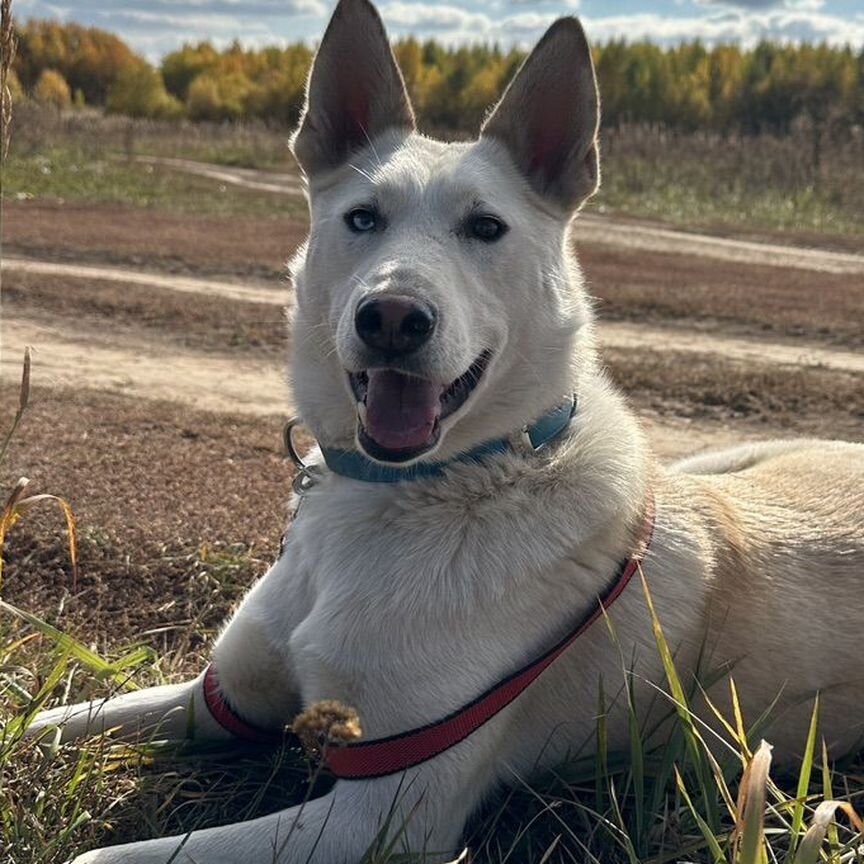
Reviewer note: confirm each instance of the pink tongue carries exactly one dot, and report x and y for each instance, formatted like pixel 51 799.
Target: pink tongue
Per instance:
pixel 401 410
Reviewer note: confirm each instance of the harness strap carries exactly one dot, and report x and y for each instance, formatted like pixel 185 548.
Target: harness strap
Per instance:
pixel 366 760
pixel 378 758
pixel 228 718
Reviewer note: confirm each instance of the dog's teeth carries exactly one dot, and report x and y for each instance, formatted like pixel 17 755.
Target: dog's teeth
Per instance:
pixel 361 413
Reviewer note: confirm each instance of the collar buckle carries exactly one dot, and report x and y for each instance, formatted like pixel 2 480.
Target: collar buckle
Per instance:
pixel 307 475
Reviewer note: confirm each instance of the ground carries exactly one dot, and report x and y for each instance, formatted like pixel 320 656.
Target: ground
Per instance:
pixel 159 394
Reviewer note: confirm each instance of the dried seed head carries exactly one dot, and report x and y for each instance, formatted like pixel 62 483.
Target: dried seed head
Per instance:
pixel 327 722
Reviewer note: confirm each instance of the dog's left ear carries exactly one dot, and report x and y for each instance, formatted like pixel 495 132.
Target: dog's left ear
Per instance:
pixel 549 115
pixel 355 90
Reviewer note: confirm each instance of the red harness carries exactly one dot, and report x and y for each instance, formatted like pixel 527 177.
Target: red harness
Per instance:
pixel 382 756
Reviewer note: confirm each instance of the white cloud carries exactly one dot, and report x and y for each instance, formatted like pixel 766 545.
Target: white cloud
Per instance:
pixel 744 27
pixel 433 17
pixel 155 27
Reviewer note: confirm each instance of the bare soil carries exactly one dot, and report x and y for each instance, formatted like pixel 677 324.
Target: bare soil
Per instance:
pixel 630 283
pixel 155 239
pixel 165 497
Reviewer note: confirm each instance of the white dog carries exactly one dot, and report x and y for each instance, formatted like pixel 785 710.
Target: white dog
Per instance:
pixel 481 488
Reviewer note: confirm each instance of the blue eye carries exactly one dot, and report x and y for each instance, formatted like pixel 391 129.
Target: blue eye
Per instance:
pixel 486 228
pixel 361 219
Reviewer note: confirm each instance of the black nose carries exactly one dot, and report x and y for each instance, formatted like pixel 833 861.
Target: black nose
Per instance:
pixel 396 325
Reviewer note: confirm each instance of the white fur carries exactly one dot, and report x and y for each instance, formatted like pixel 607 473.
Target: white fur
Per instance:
pixel 407 600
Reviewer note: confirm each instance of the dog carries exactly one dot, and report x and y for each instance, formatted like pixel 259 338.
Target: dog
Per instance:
pixel 481 494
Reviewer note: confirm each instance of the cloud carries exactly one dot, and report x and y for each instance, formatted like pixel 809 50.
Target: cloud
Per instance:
pixel 746 28
pixel 206 8
pixel 568 4
pixel 433 17
pixel 155 27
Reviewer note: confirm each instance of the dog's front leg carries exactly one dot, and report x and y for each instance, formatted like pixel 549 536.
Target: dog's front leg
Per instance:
pixel 174 711
pixel 411 812
pixel 253 665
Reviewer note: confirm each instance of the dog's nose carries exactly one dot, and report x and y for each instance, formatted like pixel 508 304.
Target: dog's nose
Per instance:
pixel 397 325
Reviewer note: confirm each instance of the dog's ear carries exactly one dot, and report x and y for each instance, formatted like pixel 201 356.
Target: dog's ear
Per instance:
pixel 355 90
pixel 549 115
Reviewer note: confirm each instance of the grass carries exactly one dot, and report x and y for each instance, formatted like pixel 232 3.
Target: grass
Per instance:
pixel 732 182
pixel 74 173
pixel 686 798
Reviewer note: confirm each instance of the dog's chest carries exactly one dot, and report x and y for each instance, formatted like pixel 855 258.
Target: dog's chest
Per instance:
pixel 427 598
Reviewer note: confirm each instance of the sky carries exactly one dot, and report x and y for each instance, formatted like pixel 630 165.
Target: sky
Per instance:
pixel 155 27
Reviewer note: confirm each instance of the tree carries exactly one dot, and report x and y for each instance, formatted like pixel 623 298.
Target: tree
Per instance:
pixel 218 97
pixel 52 89
pixel 138 91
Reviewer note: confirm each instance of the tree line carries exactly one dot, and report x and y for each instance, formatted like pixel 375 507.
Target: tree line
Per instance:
pixel 689 86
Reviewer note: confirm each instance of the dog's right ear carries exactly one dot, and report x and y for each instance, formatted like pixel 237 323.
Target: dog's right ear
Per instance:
pixel 549 115
pixel 355 90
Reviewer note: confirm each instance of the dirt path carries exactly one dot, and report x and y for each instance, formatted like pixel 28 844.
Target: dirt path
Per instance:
pixel 248 178
pixel 785 353
pixel 613 334
pixel 110 360
pixel 114 363
pixel 70 353
pixel 589 228
pixel 211 288
pixel 606 231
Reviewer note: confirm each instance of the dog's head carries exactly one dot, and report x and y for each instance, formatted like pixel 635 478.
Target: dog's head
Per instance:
pixel 437 305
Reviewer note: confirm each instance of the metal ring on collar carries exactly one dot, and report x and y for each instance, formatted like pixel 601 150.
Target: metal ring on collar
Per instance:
pixel 288 441
pixel 305 477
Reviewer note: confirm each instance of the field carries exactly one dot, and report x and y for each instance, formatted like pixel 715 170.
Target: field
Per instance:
pixel 147 271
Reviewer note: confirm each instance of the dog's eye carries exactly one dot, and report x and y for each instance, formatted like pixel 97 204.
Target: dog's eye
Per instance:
pixel 487 228
pixel 361 219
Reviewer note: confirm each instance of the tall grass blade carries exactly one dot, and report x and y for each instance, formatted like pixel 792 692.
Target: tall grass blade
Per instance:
pixel 96 664
pixel 23 402
pixel 695 745
pixel 804 780
pixel 750 830
pixel 601 771
pixel 828 794
pixel 711 841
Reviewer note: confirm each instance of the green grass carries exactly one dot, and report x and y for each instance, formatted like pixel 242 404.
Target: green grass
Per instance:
pixel 76 174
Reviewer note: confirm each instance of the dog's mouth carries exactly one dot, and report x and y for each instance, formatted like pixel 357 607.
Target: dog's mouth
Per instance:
pixel 400 415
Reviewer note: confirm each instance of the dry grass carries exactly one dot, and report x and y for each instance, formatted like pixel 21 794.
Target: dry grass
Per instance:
pixel 708 179
pixel 693 180
pixel 250 144
pixel 8 47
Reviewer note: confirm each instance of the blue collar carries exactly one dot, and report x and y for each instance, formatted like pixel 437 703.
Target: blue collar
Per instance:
pixel 352 464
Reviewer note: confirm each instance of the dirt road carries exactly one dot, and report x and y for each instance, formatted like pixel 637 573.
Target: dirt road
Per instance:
pixel 589 228
pixel 612 334
pixel 77 354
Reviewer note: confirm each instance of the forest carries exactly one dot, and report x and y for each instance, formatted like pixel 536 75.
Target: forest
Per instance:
pixel 723 88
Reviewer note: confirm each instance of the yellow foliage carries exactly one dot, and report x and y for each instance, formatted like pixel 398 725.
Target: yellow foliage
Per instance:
pixel 138 91
pixel 685 86
pixel 52 89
